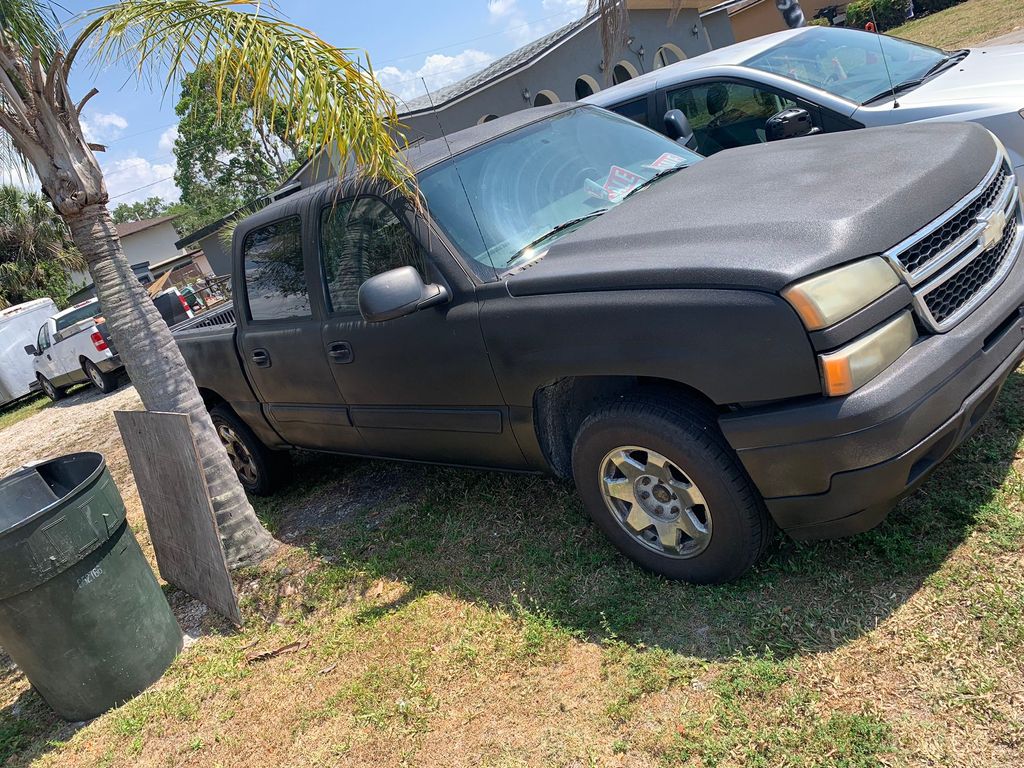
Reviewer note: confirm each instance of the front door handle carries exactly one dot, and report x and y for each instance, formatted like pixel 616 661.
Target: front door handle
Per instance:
pixel 340 352
pixel 261 358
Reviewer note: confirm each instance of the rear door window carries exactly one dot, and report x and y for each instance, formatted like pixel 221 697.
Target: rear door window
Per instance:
pixel 275 278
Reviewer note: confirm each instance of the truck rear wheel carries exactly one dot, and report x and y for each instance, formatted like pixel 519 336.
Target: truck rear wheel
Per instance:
pixel 53 392
pixel 656 474
pixel 104 382
pixel 258 468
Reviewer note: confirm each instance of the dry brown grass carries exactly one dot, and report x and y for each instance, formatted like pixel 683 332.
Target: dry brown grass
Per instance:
pixel 968 24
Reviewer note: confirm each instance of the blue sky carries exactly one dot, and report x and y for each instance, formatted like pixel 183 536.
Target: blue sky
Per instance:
pixel 439 40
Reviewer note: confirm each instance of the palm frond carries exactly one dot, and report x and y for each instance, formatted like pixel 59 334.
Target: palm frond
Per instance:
pixel 343 108
pixel 29 23
pixel 615 26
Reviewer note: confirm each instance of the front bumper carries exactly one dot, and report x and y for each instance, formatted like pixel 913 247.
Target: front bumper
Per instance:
pixel 835 466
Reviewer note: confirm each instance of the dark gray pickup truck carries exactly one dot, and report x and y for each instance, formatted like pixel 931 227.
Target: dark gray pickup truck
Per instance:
pixel 796 332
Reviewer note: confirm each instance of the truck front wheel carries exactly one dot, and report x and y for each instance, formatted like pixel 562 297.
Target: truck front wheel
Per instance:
pixel 656 474
pixel 258 467
pixel 53 392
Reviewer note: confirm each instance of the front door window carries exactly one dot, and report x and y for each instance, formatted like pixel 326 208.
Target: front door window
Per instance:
pixel 727 115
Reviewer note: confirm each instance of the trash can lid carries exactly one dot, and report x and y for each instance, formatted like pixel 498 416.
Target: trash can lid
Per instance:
pixel 53 514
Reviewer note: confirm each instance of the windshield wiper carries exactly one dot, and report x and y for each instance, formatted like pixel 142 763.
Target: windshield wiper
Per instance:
pixel 942 64
pixel 659 175
pixel 554 231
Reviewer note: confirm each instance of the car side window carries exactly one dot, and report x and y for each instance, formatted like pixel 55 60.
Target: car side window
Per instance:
pixel 727 115
pixel 634 110
pixel 361 238
pixel 275 281
pixel 42 339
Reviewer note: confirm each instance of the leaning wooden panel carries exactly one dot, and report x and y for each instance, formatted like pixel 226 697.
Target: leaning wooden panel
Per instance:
pixel 178 511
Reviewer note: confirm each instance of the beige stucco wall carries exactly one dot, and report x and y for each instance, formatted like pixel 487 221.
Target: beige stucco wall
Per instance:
pixel 764 17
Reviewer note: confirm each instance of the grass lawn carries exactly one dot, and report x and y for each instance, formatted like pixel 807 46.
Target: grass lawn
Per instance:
pixel 970 23
pixel 22 409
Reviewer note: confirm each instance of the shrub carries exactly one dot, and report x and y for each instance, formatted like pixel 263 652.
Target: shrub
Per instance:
pixel 819 23
pixel 887 13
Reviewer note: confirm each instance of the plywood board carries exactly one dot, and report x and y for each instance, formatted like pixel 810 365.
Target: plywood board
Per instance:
pixel 177 505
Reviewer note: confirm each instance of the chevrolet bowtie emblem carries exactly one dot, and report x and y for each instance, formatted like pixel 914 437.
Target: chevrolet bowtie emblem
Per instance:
pixel 995 225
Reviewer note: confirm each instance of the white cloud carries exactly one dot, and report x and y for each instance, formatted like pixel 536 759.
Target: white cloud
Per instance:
pixel 166 142
pixel 133 178
pixel 101 127
pixel 438 70
pixel 502 8
pixel 521 31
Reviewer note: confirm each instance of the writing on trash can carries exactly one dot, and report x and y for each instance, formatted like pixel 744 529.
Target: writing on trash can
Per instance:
pixel 90 577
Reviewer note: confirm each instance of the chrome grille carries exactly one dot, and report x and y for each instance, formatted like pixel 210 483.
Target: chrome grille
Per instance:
pixel 955 262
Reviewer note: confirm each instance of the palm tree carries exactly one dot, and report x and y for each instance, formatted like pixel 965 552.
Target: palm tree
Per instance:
pixel 36 253
pixel 343 109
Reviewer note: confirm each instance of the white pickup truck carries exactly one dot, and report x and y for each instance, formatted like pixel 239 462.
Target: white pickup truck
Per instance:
pixel 73 347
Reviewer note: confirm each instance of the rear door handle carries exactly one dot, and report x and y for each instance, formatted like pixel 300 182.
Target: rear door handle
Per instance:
pixel 261 358
pixel 340 352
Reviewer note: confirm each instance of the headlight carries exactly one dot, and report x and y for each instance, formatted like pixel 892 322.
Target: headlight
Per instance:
pixel 834 295
pixel 861 360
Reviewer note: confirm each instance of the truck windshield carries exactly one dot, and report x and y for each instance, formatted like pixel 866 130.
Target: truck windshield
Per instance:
pixel 76 315
pixel 854 65
pixel 503 202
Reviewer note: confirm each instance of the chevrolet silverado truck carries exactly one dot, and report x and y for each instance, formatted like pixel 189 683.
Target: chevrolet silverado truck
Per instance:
pixel 794 333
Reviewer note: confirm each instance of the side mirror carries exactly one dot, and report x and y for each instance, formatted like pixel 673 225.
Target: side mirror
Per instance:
pixel 30 349
pixel 396 293
pixel 677 128
pixel 789 124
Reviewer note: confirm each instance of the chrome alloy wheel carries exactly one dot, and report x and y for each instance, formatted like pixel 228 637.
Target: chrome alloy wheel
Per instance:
pixel 241 459
pixel 95 375
pixel 48 388
pixel 655 502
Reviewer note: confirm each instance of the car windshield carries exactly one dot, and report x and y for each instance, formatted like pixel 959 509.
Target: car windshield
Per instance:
pixel 85 312
pixel 855 65
pixel 503 202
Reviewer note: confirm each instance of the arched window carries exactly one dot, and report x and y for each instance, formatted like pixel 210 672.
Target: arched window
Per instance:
pixel 544 98
pixel 669 53
pixel 623 71
pixel 486 119
pixel 586 86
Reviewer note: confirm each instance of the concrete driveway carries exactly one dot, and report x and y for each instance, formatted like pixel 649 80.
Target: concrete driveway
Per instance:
pixel 1017 36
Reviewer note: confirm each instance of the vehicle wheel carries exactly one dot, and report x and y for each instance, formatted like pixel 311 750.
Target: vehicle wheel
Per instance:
pixel 258 467
pixel 658 477
pixel 52 392
pixel 104 382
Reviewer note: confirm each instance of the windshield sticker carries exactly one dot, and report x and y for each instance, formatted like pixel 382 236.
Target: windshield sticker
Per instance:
pixel 667 160
pixel 620 182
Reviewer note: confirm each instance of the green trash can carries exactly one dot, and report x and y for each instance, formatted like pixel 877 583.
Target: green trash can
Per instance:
pixel 81 612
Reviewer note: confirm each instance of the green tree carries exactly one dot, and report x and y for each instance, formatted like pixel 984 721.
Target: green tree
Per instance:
pixel 343 109
pixel 150 208
pixel 36 252
pixel 226 155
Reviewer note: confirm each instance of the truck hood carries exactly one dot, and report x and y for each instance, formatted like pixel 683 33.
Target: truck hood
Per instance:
pixel 760 217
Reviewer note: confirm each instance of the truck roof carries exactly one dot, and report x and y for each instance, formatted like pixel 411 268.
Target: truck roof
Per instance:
pixel 69 310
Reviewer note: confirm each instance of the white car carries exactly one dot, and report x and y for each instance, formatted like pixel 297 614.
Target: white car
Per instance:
pixel 72 347
pixel 843 78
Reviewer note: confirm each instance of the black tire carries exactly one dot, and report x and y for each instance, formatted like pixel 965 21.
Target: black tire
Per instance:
pixel 104 382
pixel 52 392
pixel 686 433
pixel 267 466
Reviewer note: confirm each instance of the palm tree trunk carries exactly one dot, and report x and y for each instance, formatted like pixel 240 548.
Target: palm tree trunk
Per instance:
pixel 163 381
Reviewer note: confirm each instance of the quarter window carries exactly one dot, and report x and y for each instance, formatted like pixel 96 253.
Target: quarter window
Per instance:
pixel 359 239
pixel 43 339
pixel 275 281
pixel 727 115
